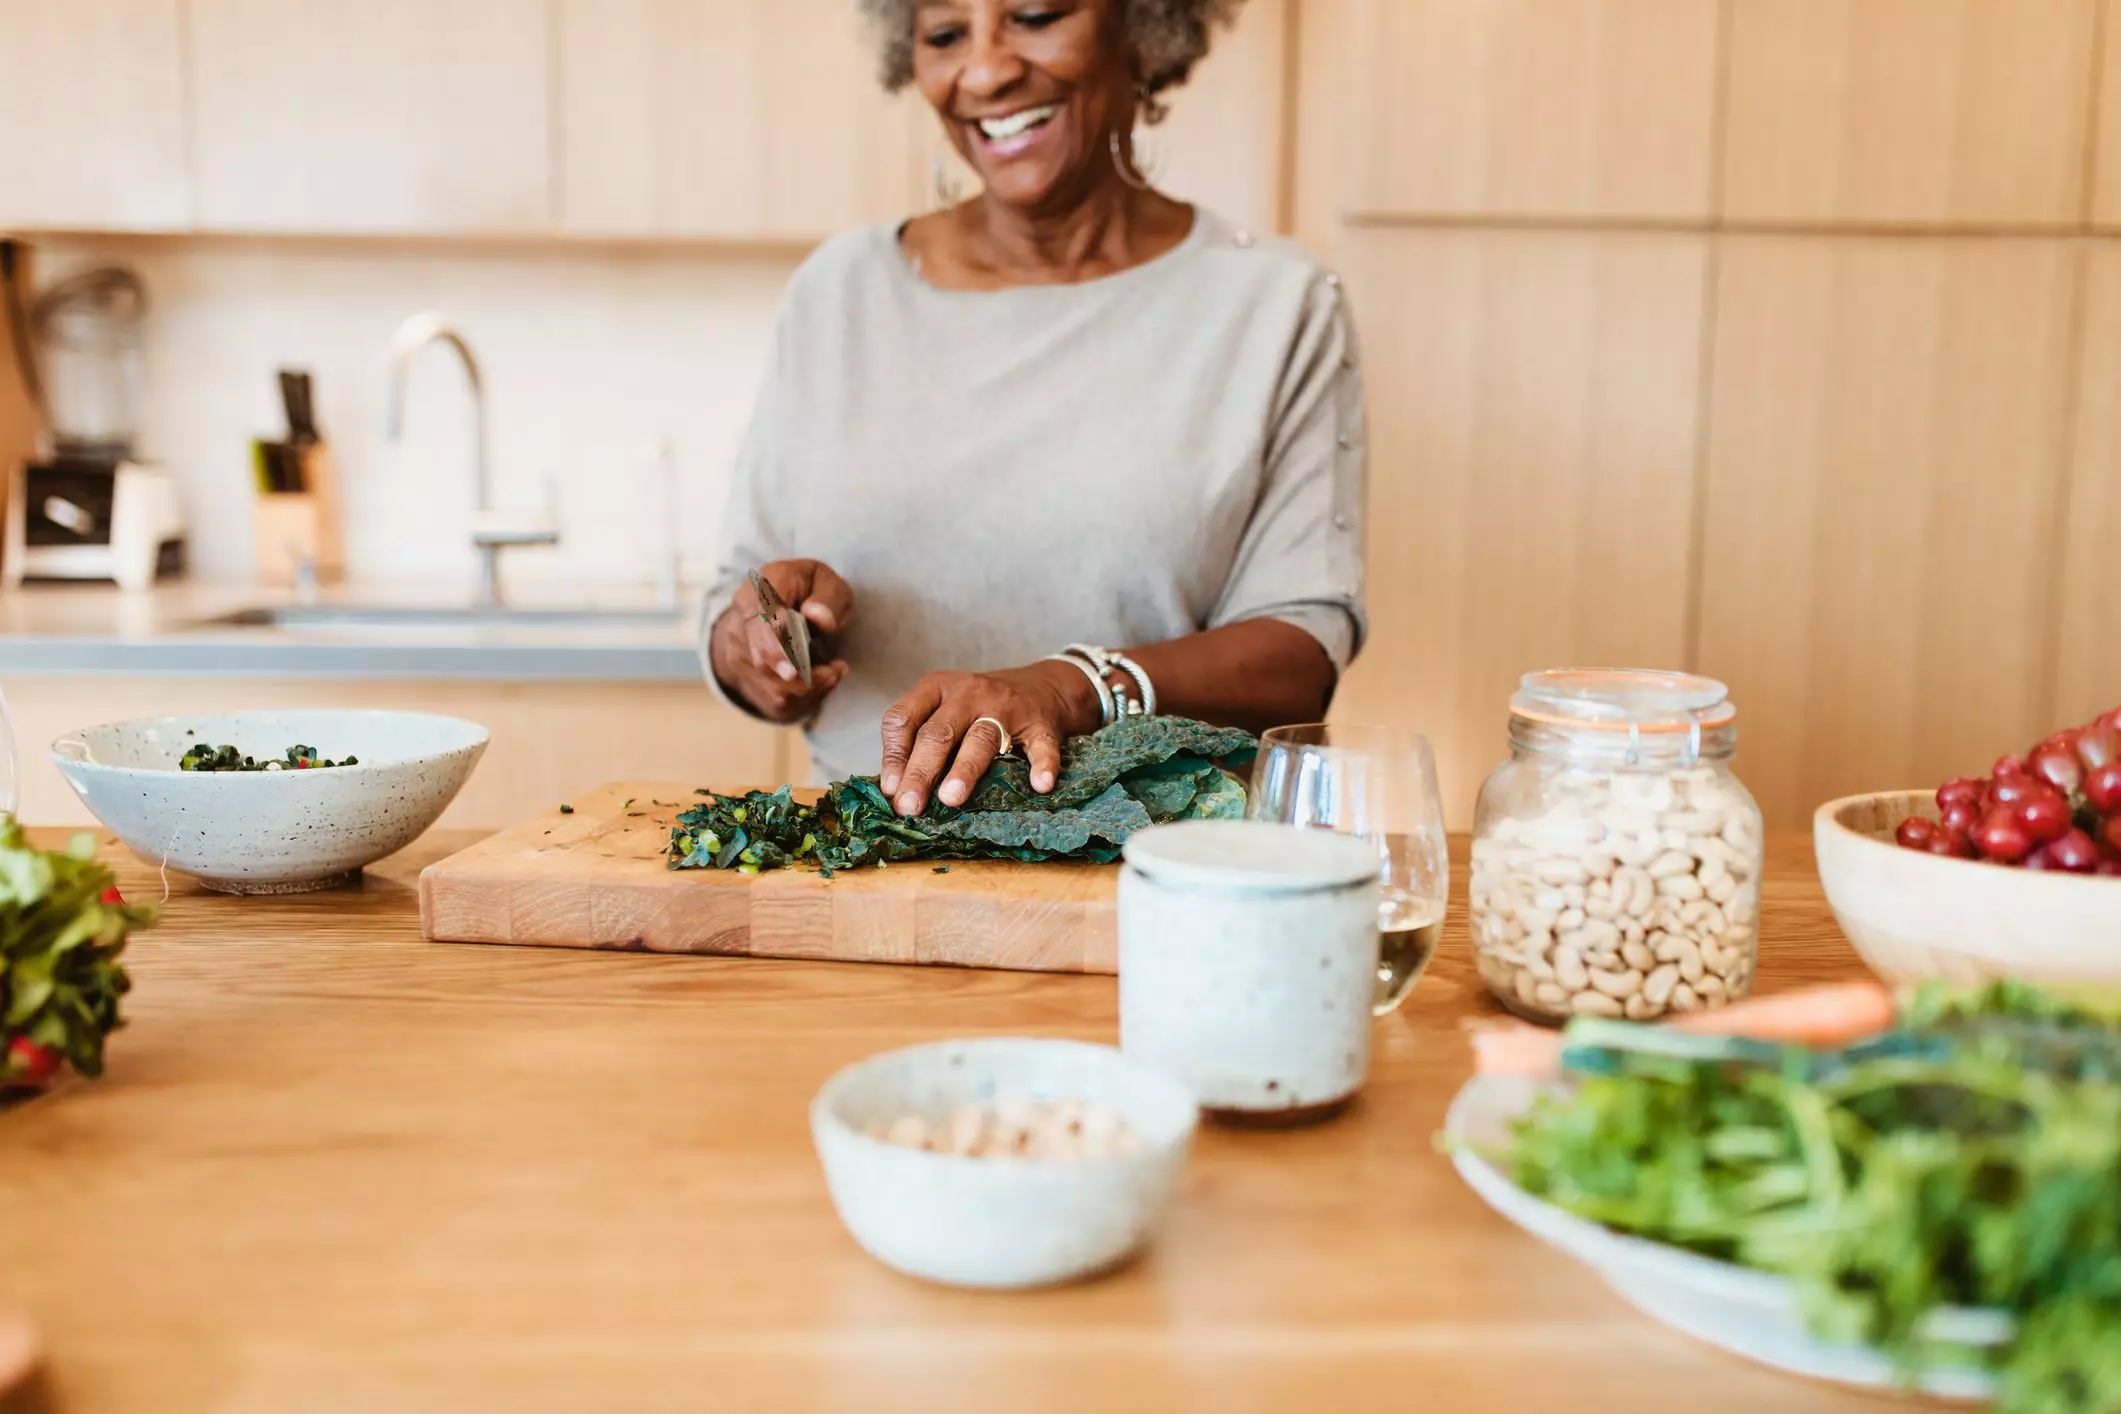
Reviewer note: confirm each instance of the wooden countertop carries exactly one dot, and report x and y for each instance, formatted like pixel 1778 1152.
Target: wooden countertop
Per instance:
pixel 335 1168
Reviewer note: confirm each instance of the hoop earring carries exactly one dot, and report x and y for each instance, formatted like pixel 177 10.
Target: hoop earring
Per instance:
pixel 1132 170
pixel 947 190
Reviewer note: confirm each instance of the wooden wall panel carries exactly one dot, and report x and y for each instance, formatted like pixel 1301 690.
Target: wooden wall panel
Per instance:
pixel 1531 107
pixel 383 117
pixel 724 118
pixel 2106 175
pixel 2088 585
pixel 1533 404
pixel 1321 120
pixel 1885 459
pixel 1908 111
pixel 92 106
pixel 1223 144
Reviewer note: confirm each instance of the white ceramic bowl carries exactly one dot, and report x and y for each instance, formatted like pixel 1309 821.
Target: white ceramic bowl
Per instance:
pixel 999 1222
pixel 271 832
pixel 1915 915
pixel 1749 1313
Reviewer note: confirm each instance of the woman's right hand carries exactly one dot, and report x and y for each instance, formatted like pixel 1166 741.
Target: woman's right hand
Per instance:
pixel 747 658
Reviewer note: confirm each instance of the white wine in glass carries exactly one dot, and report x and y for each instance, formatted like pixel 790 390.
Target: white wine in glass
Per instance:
pixel 1378 783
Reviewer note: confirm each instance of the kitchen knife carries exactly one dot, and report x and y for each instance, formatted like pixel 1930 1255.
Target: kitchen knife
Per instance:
pixel 790 627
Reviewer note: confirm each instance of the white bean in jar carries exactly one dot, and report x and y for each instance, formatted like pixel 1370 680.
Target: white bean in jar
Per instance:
pixel 1616 889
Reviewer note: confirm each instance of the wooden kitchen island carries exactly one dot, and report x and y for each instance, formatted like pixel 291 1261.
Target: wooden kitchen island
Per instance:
pixel 335 1168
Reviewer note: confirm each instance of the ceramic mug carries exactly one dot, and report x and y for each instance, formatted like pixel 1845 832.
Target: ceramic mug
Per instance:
pixel 1248 962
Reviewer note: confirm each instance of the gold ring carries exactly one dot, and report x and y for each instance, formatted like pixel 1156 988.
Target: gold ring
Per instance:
pixel 1008 742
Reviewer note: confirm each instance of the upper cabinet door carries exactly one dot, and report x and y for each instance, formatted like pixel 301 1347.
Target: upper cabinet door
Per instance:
pixel 382 116
pixel 92 105
pixel 725 119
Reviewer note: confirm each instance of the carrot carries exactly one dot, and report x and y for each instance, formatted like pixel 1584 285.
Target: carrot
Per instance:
pixel 1832 1015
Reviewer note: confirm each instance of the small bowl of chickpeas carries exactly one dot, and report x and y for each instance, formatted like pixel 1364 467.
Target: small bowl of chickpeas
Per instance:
pixel 1002 1163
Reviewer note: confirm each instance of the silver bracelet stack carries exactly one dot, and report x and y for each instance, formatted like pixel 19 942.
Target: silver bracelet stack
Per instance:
pixel 1123 687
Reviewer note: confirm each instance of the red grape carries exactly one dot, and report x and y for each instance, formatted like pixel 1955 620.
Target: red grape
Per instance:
pixel 2009 790
pixel 1915 833
pixel 1999 836
pixel 2108 869
pixel 2057 765
pixel 1951 844
pixel 2007 766
pixel 2103 788
pixel 1966 788
pixel 2075 852
pixel 2099 745
pixel 2111 719
pixel 1960 816
pixel 2045 817
pixel 2110 833
pixel 2040 859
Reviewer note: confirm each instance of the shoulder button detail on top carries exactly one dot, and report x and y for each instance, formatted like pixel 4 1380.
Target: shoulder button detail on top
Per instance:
pixel 1345 441
pixel 1333 281
pixel 1243 239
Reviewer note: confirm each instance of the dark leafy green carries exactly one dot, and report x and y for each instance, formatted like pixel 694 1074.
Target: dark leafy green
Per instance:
pixel 1969 1157
pixel 226 758
pixel 1133 774
pixel 62 928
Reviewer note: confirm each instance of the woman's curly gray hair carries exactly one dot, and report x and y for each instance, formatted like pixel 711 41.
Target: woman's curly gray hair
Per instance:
pixel 1166 37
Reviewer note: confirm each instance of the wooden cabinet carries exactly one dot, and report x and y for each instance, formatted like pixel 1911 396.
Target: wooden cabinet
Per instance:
pixel 1534 405
pixel 386 116
pixel 725 119
pixel 92 113
pixel 2088 590
pixel 1898 111
pixel 2106 139
pixel 1886 464
pixel 1526 107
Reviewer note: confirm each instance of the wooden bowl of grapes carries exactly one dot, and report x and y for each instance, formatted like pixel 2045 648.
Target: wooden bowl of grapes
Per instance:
pixel 1913 913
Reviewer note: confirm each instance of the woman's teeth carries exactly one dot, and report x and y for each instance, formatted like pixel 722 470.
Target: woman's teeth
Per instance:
pixel 1017 123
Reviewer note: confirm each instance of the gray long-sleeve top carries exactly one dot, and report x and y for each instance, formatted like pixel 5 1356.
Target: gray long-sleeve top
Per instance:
pixel 997 474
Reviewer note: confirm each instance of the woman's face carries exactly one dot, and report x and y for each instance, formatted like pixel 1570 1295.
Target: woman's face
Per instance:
pixel 1030 91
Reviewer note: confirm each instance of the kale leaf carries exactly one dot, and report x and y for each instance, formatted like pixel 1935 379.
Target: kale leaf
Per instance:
pixel 1133 774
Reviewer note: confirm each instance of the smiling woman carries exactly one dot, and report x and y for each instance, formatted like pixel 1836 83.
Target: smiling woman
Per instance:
pixel 1067 450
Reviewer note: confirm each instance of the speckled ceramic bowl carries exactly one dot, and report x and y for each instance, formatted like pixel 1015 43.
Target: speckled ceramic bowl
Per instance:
pixel 999 1222
pixel 271 832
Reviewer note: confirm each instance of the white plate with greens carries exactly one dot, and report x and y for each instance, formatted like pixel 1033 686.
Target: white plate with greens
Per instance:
pixel 1753 1314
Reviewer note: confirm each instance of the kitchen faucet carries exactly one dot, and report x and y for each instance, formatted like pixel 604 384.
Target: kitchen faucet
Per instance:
pixel 488 537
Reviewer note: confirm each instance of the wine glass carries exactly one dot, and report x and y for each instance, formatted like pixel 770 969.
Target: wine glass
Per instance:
pixel 1377 783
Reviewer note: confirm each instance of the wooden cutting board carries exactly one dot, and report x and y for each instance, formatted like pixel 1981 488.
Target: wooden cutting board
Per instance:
pixel 596 878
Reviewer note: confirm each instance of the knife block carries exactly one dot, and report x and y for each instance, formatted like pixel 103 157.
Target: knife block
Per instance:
pixel 292 526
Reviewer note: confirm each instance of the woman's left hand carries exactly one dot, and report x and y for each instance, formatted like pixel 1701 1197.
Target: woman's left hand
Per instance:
pixel 934 732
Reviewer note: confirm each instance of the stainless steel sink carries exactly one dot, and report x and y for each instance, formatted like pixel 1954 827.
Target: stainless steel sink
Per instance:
pixel 297 616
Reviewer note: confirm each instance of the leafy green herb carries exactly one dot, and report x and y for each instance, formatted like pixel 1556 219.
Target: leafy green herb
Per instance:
pixel 940 869
pixel 567 810
pixel 226 758
pixel 62 927
pixel 1969 1157
pixel 1135 773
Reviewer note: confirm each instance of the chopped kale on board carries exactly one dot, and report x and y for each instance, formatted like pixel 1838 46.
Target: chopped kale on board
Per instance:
pixel 1135 773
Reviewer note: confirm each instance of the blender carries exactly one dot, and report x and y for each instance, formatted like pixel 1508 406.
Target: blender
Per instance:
pixel 88 508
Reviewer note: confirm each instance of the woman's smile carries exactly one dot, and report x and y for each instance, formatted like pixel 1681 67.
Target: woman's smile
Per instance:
pixel 1015 133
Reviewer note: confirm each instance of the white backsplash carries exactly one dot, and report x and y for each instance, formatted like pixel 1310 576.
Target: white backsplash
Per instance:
pixel 590 356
